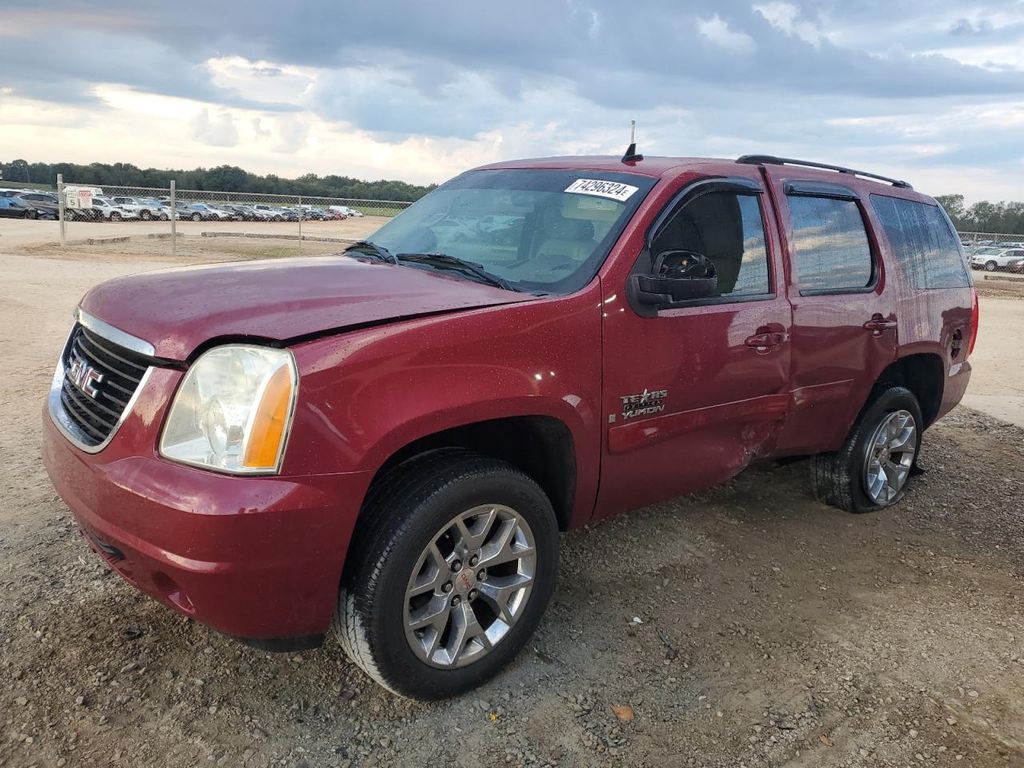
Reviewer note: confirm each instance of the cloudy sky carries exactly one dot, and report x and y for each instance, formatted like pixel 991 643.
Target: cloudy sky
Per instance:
pixel 930 90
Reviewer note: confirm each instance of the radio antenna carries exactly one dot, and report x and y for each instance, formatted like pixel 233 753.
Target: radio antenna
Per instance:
pixel 631 155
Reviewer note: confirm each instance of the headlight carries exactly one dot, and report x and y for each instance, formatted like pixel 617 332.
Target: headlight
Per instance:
pixel 233 410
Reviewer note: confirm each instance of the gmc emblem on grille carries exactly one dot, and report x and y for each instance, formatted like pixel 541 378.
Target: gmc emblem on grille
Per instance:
pixel 84 376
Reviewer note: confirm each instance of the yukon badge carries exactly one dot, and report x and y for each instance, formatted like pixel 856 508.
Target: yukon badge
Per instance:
pixel 84 376
pixel 647 403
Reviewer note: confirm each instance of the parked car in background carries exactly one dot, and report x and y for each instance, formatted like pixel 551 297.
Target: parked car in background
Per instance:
pixel 156 208
pixel 145 208
pixel 182 210
pixel 206 212
pixel 312 214
pixel 15 207
pixel 995 257
pixel 237 212
pixel 269 212
pixel 222 212
pixel 111 212
pixel 346 211
pixel 43 201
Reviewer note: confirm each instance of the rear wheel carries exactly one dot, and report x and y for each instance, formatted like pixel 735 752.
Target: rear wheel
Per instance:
pixel 453 576
pixel 115 216
pixel 873 467
pixel 146 215
pixel 990 266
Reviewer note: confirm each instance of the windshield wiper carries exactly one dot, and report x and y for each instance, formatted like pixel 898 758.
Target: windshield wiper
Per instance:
pixel 372 249
pixel 454 263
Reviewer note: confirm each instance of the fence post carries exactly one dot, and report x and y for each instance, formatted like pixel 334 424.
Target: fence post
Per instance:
pixel 174 223
pixel 300 225
pixel 60 205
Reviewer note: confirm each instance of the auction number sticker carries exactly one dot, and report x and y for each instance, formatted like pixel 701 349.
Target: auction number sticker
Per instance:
pixel 610 189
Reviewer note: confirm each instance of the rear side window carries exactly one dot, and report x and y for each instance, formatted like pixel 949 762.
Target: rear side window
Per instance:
pixel 923 242
pixel 829 244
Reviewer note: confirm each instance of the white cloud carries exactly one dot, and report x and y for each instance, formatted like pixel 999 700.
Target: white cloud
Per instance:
pixel 786 17
pixel 219 131
pixel 262 80
pixel 717 31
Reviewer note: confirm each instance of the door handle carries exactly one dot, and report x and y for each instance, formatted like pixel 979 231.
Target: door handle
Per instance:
pixel 877 324
pixel 765 340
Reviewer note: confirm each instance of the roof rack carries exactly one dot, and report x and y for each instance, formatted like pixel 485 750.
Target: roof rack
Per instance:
pixel 772 160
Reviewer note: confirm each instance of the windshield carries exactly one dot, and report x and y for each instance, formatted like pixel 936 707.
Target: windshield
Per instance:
pixel 546 231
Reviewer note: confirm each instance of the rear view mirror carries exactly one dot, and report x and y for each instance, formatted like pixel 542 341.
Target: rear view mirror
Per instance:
pixel 676 276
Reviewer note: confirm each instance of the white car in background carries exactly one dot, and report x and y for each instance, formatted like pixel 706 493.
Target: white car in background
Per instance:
pixel 143 208
pixel 992 258
pixel 112 212
pixel 344 209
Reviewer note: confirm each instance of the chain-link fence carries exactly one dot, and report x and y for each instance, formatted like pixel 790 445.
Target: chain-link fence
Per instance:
pixel 172 213
pixel 991 240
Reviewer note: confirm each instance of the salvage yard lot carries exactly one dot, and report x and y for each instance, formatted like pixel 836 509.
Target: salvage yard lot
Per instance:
pixel 748 625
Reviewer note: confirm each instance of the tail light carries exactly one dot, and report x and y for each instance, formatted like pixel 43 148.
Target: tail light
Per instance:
pixel 975 315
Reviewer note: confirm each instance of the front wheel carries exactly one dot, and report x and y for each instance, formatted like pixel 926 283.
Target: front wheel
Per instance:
pixel 873 467
pixel 452 577
pixel 115 216
pixel 990 266
pixel 145 215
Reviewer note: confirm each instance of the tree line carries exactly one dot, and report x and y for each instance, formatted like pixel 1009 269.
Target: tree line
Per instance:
pixel 1002 218
pixel 223 178
pixel 997 218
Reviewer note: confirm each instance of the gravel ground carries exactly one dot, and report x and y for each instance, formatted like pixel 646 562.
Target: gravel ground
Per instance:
pixel 745 626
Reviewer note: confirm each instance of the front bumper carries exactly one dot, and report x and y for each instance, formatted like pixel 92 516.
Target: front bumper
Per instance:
pixel 253 557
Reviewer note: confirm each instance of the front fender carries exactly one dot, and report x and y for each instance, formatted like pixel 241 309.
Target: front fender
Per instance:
pixel 365 394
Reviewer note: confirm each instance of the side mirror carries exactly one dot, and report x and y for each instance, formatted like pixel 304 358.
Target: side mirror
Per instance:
pixel 677 276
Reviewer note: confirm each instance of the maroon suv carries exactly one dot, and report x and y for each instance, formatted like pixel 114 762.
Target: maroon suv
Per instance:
pixel 391 439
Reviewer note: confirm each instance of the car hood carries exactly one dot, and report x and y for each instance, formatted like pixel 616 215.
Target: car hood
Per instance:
pixel 177 310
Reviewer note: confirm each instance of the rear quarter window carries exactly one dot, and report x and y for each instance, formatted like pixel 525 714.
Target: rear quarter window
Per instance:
pixel 923 243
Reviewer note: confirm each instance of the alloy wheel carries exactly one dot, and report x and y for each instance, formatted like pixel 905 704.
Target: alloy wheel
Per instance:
pixel 890 456
pixel 469 586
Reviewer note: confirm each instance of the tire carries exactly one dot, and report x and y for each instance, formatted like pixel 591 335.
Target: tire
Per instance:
pixel 145 215
pixel 990 266
pixel 411 509
pixel 31 215
pixel 196 217
pixel 115 216
pixel 843 479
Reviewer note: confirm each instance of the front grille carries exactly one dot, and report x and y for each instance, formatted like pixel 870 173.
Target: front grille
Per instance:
pixel 94 406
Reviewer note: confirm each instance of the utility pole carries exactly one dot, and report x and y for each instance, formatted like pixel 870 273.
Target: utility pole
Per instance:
pixel 174 223
pixel 61 212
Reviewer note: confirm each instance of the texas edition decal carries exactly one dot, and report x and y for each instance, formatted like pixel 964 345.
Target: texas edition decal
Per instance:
pixel 647 403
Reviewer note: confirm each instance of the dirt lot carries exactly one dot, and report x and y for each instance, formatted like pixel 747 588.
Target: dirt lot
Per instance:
pixel 746 626
pixel 999 389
